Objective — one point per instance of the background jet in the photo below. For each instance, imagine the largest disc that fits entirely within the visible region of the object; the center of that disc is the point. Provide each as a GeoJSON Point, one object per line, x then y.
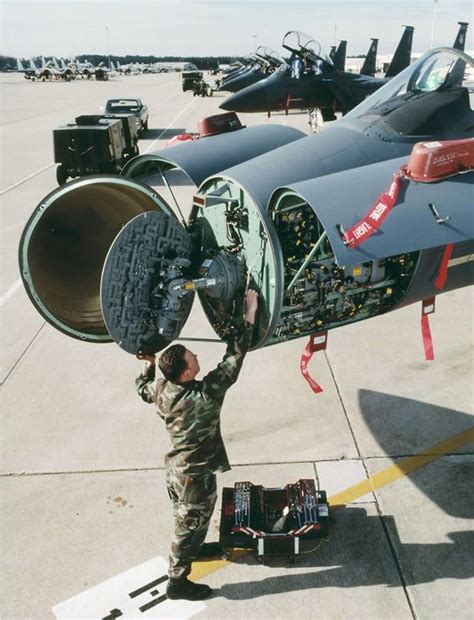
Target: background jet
{"type": "Point", "coordinates": [265, 62]}
{"type": "Point", "coordinates": [49, 70]}
{"type": "Point", "coordinates": [31, 73]}
{"type": "Point", "coordinates": [66, 71]}
{"type": "Point", "coordinates": [312, 81]}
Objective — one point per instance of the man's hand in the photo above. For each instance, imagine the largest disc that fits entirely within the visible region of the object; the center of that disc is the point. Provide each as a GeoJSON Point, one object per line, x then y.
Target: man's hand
{"type": "Point", "coordinates": [251, 305]}
{"type": "Point", "coordinates": [149, 359]}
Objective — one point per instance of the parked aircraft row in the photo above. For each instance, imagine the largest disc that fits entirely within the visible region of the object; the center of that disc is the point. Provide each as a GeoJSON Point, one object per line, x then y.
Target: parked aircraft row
{"type": "Point", "coordinates": [311, 80]}
{"type": "Point", "coordinates": [64, 70]}
{"type": "Point", "coordinates": [72, 69]}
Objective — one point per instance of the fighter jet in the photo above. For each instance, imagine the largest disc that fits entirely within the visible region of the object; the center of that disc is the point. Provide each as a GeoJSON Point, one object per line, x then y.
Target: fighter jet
{"type": "Point", "coordinates": [264, 62]}
{"type": "Point", "coordinates": [312, 81]}
{"type": "Point", "coordinates": [67, 71]}
{"type": "Point", "coordinates": [86, 69]}
{"type": "Point", "coordinates": [49, 69]}
{"type": "Point", "coordinates": [366, 217]}
{"type": "Point", "coordinates": [250, 63]}
{"type": "Point", "coordinates": [32, 73]}
{"type": "Point", "coordinates": [227, 70]}
{"type": "Point", "coordinates": [102, 72]}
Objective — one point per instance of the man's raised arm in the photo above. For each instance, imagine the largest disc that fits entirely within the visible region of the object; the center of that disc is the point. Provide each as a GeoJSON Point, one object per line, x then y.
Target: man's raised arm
{"type": "Point", "coordinates": [218, 381]}
{"type": "Point", "coordinates": [145, 383]}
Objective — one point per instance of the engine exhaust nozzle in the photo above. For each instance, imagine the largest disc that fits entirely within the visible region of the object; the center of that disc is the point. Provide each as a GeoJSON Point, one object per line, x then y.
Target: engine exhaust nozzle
{"type": "Point", "coordinates": [65, 243]}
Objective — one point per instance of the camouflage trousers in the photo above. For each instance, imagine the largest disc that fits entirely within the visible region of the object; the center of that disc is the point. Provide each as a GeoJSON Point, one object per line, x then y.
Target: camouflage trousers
{"type": "Point", "coordinates": [193, 498]}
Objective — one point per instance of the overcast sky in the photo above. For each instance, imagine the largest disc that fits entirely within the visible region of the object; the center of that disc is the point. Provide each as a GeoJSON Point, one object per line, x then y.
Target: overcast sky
{"type": "Point", "coordinates": [221, 27]}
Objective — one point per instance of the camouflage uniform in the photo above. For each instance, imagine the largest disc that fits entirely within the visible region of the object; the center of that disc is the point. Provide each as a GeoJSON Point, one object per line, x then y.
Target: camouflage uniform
{"type": "Point", "coordinates": [191, 412]}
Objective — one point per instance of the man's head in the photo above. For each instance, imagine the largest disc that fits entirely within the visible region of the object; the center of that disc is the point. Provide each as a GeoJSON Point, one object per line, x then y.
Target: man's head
{"type": "Point", "coordinates": [178, 364]}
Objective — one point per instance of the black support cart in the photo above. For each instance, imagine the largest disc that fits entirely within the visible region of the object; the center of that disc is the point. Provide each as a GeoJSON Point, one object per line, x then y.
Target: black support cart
{"type": "Point", "coordinates": [94, 144]}
{"type": "Point", "coordinates": [283, 521]}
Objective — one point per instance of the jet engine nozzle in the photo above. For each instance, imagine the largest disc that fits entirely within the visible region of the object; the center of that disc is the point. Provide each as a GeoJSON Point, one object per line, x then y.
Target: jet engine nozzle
{"type": "Point", "coordinates": [64, 245]}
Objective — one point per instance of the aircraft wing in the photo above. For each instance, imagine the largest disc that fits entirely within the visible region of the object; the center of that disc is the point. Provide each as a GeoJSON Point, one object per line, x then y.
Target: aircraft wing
{"type": "Point", "coordinates": [350, 89]}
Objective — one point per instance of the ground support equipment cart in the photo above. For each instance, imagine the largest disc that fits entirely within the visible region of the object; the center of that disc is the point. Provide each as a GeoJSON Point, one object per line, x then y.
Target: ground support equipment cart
{"type": "Point", "coordinates": [274, 521]}
{"type": "Point", "coordinates": [94, 144]}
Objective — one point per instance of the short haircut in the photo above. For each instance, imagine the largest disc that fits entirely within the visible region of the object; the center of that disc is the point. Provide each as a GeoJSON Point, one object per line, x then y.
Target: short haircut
{"type": "Point", "coordinates": [172, 362]}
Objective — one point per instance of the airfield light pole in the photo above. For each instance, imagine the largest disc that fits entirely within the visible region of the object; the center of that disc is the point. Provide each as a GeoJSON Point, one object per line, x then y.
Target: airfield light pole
{"type": "Point", "coordinates": [108, 44]}
{"type": "Point", "coordinates": [435, 4]}
{"type": "Point", "coordinates": [254, 42]}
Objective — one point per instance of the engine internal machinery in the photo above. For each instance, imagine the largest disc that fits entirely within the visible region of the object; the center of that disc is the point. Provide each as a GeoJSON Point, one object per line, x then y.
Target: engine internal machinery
{"type": "Point", "coordinates": [149, 278]}
{"type": "Point", "coordinates": [318, 293]}
{"type": "Point", "coordinates": [291, 262]}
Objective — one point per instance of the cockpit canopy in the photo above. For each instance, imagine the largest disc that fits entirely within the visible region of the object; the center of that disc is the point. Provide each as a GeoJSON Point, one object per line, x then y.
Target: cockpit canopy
{"type": "Point", "coordinates": [434, 94]}
{"type": "Point", "coordinates": [307, 48]}
{"type": "Point", "coordinates": [269, 55]}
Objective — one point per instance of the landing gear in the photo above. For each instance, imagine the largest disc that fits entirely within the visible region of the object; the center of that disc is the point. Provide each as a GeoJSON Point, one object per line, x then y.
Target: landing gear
{"type": "Point", "coordinates": [315, 119]}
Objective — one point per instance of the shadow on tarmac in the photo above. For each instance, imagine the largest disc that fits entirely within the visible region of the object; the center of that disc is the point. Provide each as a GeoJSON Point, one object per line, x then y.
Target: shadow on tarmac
{"type": "Point", "coordinates": [403, 426]}
{"type": "Point", "coordinates": [362, 548]}
{"type": "Point", "coordinates": [357, 554]}
{"type": "Point", "coordinates": [152, 134]}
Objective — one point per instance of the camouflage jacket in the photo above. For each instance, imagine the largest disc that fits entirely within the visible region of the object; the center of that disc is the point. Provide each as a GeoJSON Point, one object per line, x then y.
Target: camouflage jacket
{"type": "Point", "coordinates": [191, 411]}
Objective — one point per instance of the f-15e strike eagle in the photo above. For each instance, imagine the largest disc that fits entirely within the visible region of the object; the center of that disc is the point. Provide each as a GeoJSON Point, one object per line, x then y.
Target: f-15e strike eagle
{"type": "Point", "coordinates": [370, 215]}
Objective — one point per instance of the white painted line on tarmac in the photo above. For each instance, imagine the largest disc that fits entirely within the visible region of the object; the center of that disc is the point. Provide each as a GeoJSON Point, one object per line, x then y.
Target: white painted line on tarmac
{"type": "Point", "coordinates": [136, 591]}
{"type": "Point", "coordinates": [11, 291]}
{"type": "Point", "coordinates": [33, 174]}
{"type": "Point", "coordinates": [7, 189]}
{"type": "Point", "coordinates": [170, 125]}
{"type": "Point", "coordinates": [160, 103]}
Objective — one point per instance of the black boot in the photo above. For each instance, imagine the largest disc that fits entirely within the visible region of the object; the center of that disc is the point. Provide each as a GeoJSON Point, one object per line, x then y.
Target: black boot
{"type": "Point", "coordinates": [185, 589]}
{"type": "Point", "coordinates": [211, 550]}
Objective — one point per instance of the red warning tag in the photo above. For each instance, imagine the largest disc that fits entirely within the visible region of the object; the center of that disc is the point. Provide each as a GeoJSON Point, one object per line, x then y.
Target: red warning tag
{"type": "Point", "coordinates": [427, 308]}
{"type": "Point", "coordinates": [443, 269]}
{"type": "Point", "coordinates": [429, 162]}
{"type": "Point", "coordinates": [377, 214]}
{"type": "Point", "coordinates": [317, 342]}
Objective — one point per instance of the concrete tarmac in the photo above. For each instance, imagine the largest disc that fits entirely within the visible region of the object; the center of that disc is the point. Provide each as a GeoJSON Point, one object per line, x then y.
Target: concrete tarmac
{"type": "Point", "coordinates": [85, 513]}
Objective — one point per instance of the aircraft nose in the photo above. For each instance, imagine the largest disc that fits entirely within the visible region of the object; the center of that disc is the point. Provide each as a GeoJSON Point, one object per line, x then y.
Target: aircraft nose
{"type": "Point", "coordinates": [250, 99]}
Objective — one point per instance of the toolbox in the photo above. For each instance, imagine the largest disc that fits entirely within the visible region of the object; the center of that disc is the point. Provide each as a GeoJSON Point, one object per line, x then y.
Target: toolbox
{"type": "Point", "coordinates": [274, 521]}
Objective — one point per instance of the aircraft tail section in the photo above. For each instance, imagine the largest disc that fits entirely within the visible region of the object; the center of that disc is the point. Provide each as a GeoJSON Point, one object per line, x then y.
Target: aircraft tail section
{"type": "Point", "coordinates": [32, 65]}
{"type": "Point", "coordinates": [19, 65]}
{"type": "Point", "coordinates": [460, 42]}
{"type": "Point", "coordinates": [401, 58]}
{"type": "Point", "coordinates": [369, 66]}
{"type": "Point", "coordinates": [339, 59]}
